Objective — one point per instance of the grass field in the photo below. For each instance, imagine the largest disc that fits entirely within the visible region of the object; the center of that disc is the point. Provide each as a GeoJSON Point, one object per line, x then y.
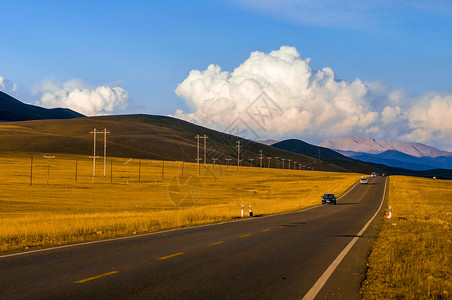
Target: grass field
{"type": "Point", "coordinates": [63, 203]}
{"type": "Point", "coordinates": [412, 256]}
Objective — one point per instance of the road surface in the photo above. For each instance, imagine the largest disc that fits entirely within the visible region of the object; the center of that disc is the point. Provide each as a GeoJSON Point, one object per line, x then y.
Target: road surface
{"type": "Point", "coordinates": [271, 257]}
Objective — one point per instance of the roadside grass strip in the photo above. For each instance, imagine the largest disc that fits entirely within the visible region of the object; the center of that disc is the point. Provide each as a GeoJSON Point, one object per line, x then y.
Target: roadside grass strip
{"type": "Point", "coordinates": [96, 277]}
{"type": "Point", "coordinates": [412, 257]}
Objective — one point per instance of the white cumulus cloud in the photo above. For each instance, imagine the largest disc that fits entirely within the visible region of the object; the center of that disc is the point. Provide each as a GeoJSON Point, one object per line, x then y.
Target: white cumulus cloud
{"type": "Point", "coordinates": [431, 119]}
{"type": "Point", "coordinates": [76, 95]}
{"type": "Point", "coordinates": [300, 100]}
{"type": "Point", "coordinates": [7, 86]}
{"type": "Point", "coordinates": [277, 95]}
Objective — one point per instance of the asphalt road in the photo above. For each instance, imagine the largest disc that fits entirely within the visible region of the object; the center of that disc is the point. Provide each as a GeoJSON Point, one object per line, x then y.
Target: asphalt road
{"type": "Point", "coordinates": [272, 257]}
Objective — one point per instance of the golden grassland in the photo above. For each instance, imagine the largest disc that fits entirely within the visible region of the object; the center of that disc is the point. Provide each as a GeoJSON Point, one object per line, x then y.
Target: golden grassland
{"type": "Point", "coordinates": [411, 258]}
{"type": "Point", "coordinates": [65, 204]}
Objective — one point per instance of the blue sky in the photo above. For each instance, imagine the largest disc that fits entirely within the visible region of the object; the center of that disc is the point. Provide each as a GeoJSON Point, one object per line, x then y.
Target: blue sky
{"type": "Point", "coordinates": [138, 52]}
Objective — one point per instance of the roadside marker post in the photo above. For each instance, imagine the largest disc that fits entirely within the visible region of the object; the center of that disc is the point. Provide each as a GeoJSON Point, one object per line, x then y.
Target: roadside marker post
{"type": "Point", "coordinates": [389, 215]}
{"type": "Point", "coordinates": [250, 211]}
{"type": "Point", "coordinates": [241, 212]}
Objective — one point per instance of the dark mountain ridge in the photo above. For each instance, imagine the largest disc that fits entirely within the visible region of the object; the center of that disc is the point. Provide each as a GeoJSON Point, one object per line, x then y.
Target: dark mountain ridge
{"type": "Point", "coordinates": [12, 109]}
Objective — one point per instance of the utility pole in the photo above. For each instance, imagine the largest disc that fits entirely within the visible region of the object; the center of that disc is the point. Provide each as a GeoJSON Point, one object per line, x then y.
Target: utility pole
{"type": "Point", "coordinates": [214, 160]}
{"type": "Point", "coordinates": [299, 166]}
{"type": "Point", "coordinates": [197, 137]}
{"type": "Point", "coordinates": [289, 160]}
{"type": "Point", "coordinates": [48, 167]}
{"type": "Point", "coordinates": [31, 171]}
{"type": "Point", "coordinates": [251, 161]}
{"type": "Point", "coordinates": [128, 163]}
{"type": "Point", "coordinates": [105, 131]}
{"type": "Point", "coordinates": [228, 160]}
{"type": "Point", "coordinates": [276, 161]}
{"type": "Point", "coordinates": [94, 132]}
{"type": "Point", "coordinates": [238, 154]}
{"type": "Point", "coordinates": [261, 156]}
{"type": "Point", "coordinates": [283, 159]}
{"type": "Point", "coordinates": [205, 137]}
{"type": "Point", "coordinates": [294, 165]}
{"type": "Point", "coordinates": [269, 160]}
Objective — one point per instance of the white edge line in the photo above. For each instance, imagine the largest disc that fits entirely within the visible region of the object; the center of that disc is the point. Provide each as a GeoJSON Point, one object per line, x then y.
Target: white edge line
{"type": "Point", "coordinates": [329, 271]}
{"type": "Point", "coordinates": [164, 231]}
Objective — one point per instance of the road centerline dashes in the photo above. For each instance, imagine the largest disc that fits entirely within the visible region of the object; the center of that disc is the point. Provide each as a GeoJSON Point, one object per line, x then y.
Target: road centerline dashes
{"type": "Point", "coordinates": [96, 277]}
{"type": "Point", "coordinates": [170, 256]}
{"type": "Point", "coordinates": [245, 235]}
{"type": "Point", "coordinates": [216, 243]}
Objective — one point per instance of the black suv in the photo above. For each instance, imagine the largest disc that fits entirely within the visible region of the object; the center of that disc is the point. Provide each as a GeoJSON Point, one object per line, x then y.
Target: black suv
{"type": "Point", "coordinates": [328, 198]}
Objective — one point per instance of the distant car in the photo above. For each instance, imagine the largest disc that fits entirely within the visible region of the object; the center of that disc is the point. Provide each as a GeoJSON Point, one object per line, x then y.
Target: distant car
{"type": "Point", "coordinates": [328, 198]}
{"type": "Point", "coordinates": [363, 181]}
{"type": "Point", "coordinates": [373, 175]}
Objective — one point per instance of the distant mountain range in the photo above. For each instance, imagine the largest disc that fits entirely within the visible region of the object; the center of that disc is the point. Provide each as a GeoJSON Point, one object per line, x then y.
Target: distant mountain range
{"type": "Point", "coordinates": [414, 156]}
{"type": "Point", "coordinates": [368, 145]}
{"type": "Point", "coordinates": [391, 162]}
{"type": "Point", "coordinates": [12, 109]}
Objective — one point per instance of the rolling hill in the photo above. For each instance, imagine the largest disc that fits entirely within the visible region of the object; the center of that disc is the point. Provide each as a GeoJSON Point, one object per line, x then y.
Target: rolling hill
{"type": "Point", "coordinates": [167, 138]}
{"type": "Point", "coordinates": [12, 109]}
{"type": "Point", "coordinates": [139, 136]}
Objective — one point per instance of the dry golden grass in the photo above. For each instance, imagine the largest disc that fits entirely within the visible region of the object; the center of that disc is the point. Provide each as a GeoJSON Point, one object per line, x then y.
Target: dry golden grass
{"type": "Point", "coordinates": [66, 211]}
{"type": "Point", "coordinates": [412, 256]}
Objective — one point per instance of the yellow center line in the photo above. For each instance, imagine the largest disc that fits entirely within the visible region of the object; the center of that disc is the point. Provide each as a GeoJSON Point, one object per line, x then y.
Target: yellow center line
{"type": "Point", "coordinates": [95, 277]}
{"type": "Point", "coordinates": [217, 243]}
{"type": "Point", "coordinates": [172, 255]}
{"type": "Point", "coordinates": [245, 235]}
{"type": "Point", "coordinates": [266, 230]}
